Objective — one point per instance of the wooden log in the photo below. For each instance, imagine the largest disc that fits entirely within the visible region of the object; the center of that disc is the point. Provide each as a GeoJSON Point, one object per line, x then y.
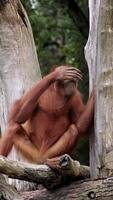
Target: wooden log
{"type": "Point", "coordinates": [78, 190]}
{"type": "Point", "coordinates": [42, 174]}
{"type": "Point", "coordinates": [81, 190]}
{"type": "Point", "coordinates": [7, 192]}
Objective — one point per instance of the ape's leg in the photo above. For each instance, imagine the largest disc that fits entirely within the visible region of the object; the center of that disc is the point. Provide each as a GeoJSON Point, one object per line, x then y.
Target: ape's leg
{"type": "Point", "coordinates": [64, 145]}
{"type": "Point", "coordinates": [25, 146]}
{"type": "Point", "coordinates": [16, 135]}
{"type": "Point", "coordinates": [28, 150]}
{"type": "Point", "coordinates": [7, 140]}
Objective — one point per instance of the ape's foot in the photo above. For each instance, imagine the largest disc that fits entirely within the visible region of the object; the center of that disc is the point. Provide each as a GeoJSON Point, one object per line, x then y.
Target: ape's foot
{"type": "Point", "coordinates": [59, 162]}
{"type": "Point", "coordinates": [53, 162]}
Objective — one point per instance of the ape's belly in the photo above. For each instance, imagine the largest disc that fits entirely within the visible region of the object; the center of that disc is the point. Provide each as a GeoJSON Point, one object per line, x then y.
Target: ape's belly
{"type": "Point", "coordinates": [47, 129]}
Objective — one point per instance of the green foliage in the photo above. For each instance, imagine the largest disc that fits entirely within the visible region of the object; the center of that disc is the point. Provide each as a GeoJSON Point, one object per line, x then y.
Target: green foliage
{"type": "Point", "coordinates": [57, 39]}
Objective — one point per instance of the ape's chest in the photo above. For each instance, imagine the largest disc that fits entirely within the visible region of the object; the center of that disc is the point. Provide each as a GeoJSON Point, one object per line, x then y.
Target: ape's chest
{"type": "Point", "coordinates": [46, 128]}
{"type": "Point", "coordinates": [51, 118]}
{"type": "Point", "coordinates": [48, 122]}
{"type": "Point", "coordinates": [53, 104]}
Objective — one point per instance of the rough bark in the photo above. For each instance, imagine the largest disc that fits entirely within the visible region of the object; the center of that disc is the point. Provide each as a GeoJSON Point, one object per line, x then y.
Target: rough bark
{"type": "Point", "coordinates": [97, 189]}
{"type": "Point", "coordinates": [91, 57]}
{"type": "Point", "coordinates": [19, 67]}
{"type": "Point", "coordinates": [79, 190]}
{"type": "Point", "coordinates": [42, 174]}
{"type": "Point", "coordinates": [99, 53]}
{"type": "Point", "coordinates": [8, 192]}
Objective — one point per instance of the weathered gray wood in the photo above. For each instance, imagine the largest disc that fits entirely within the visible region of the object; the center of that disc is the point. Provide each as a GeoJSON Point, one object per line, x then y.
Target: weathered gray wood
{"type": "Point", "coordinates": [91, 57]}
{"type": "Point", "coordinates": [19, 67]}
{"type": "Point", "coordinates": [98, 190]}
{"type": "Point", "coordinates": [99, 54]}
{"type": "Point", "coordinates": [7, 192]}
{"type": "Point", "coordinates": [42, 174]}
{"type": "Point", "coordinates": [79, 190]}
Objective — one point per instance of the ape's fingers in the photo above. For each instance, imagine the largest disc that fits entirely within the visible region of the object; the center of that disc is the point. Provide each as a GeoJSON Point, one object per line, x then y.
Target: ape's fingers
{"type": "Point", "coordinates": [66, 72]}
{"type": "Point", "coordinates": [70, 67]}
{"type": "Point", "coordinates": [74, 69]}
{"type": "Point", "coordinates": [72, 76]}
{"type": "Point", "coordinates": [74, 72]}
{"type": "Point", "coordinates": [53, 162]}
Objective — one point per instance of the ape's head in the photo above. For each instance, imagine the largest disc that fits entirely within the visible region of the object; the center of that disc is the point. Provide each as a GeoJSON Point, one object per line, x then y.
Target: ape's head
{"type": "Point", "coordinates": [66, 88]}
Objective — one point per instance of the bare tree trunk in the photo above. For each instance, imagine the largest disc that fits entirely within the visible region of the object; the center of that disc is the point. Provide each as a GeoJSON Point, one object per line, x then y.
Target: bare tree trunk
{"type": "Point", "coordinates": [99, 54]}
{"type": "Point", "coordinates": [19, 67]}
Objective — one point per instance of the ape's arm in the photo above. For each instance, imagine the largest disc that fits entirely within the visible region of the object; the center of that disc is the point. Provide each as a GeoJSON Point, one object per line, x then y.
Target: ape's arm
{"type": "Point", "coordinates": [81, 121]}
{"type": "Point", "coordinates": [82, 117]}
{"type": "Point", "coordinates": [23, 108]}
{"type": "Point", "coordinates": [63, 145]}
{"type": "Point", "coordinates": [84, 120]}
{"type": "Point", "coordinates": [21, 111]}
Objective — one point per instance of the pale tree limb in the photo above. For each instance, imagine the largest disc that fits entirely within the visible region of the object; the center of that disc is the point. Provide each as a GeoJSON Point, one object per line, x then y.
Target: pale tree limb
{"type": "Point", "coordinates": [8, 192]}
{"type": "Point", "coordinates": [79, 190]}
{"type": "Point", "coordinates": [42, 174]}
{"type": "Point", "coordinates": [67, 169]}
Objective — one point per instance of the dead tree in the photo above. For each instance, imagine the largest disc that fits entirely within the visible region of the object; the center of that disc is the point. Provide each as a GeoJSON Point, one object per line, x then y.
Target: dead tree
{"type": "Point", "coordinates": [99, 54]}
{"type": "Point", "coordinates": [19, 67]}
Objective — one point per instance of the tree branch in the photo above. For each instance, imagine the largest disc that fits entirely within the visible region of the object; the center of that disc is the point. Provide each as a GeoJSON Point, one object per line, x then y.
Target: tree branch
{"type": "Point", "coordinates": [42, 174]}
{"type": "Point", "coordinates": [8, 192]}
{"type": "Point", "coordinates": [96, 189]}
{"type": "Point", "coordinates": [88, 189]}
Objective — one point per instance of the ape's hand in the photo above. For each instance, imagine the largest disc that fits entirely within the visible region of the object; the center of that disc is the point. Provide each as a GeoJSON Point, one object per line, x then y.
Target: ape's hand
{"type": "Point", "coordinates": [68, 73]}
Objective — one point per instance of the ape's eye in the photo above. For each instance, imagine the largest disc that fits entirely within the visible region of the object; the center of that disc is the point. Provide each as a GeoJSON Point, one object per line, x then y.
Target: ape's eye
{"type": "Point", "coordinates": [60, 84]}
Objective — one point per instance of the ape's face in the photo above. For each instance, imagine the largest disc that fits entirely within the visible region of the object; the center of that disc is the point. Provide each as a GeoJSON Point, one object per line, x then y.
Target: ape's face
{"type": "Point", "coordinates": [66, 88]}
